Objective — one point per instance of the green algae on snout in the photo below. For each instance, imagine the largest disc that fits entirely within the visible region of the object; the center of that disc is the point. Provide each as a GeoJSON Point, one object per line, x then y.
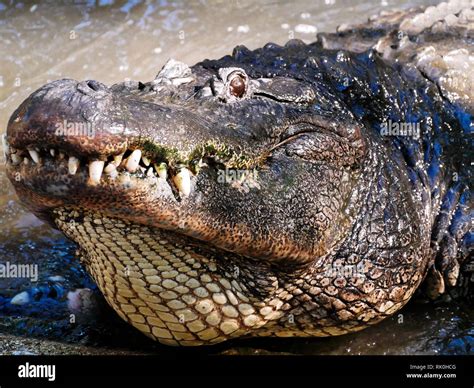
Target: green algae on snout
{"type": "Point", "coordinates": [161, 153]}
{"type": "Point", "coordinates": [226, 155]}
{"type": "Point", "coordinates": [210, 149]}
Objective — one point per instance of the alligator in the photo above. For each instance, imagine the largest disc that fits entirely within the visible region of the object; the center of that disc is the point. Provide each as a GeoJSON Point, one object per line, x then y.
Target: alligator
{"type": "Point", "coordinates": [304, 190]}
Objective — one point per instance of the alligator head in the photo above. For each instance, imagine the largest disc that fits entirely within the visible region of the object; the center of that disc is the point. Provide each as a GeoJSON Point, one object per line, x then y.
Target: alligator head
{"type": "Point", "coordinates": [230, 165]}
{"type": "Point", "coordinates": [208, 154]}
{"type": "Point", "coordinates": [222, 200]}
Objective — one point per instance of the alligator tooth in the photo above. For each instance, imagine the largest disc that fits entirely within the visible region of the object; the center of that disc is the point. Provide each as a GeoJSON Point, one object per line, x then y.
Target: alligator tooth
{"type": "Point", "coordinates": [73, 165]}
{"type": "Point", "coordinates": [146, 161]}
{"type": "Point", "coordinates": [161, 170]}
{"type": "Point", "coordinates": [110, 168]}
{"type": "Point", "coordinates": [52, 151]}
{"type": "Point", "coordinates": [61, 155]}
{"type": "Point", "coordinates": [34, 155]}
{"type": "Point", "coordinates": [16, 159]}
{"type": "Point", "coordinates": [133, 161]}
{"type": "Point", "coordinates": [198, 166]}
{"type": "Point", "coordinates": [149, 172]}
{"type": "Point", "coordinates": [95, 171]}
{"type": "Point", "coordinates": [118, 159]}
{"type": "Point", "coordinates": [182, 180]}
{"type": "Point", "coordinates": [26, 160]}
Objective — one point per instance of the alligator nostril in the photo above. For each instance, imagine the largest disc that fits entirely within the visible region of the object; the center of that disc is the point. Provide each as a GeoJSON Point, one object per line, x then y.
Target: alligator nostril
{"type": "Point", "coordinates": [94, 85]}
{"type": "Point", "coordinates": [92, 88]}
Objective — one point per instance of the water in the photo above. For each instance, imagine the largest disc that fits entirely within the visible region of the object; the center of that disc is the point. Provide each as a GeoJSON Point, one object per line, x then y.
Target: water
{"type": "Point", "coordinates": [114, 41]}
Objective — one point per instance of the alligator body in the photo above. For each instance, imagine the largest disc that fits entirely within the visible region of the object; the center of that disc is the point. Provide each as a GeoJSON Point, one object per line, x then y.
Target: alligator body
{"type": "Point", "coordinates": [303, 190]}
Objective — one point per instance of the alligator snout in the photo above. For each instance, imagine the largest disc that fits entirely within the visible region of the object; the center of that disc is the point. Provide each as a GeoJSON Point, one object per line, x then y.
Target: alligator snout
{"type": "Point", "coordinates": [66, 115]}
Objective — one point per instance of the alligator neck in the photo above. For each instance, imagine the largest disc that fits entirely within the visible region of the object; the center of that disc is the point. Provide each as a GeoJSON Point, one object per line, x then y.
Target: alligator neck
{"type": "Point", "coordinates": [428, 137]}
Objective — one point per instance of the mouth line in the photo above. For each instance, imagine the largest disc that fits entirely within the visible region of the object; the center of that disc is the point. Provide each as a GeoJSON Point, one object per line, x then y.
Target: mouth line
{"type": "Point", "coordinates": [122, 168]}
{"type": "Point", "coordinates": [150, 162]}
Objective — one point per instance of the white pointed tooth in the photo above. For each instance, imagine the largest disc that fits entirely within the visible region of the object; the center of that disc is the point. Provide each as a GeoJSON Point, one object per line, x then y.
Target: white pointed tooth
{"type": "Point", "coordinates": [52, 151]}
{"type": "Point", "coordinates": [111, 167]}
{"type": "Point", "coordinates": [146, 161]}
{"type": "Point", "coordinates": [198, 166]}
{"type": "Point", "coordinates": [118, 159]}
{"type": "Point", "coordinates": [149, 172]}
{"type": "Point", "coordinates": [16, 159]}
{"type": "Point", "coordinates": [133, 161]}
{"type": "Point", "coordinates": [182, 180]}
{"type": "Point", "coordinates": [111, 170]}
{"type": "Point", "coordinates": [61, 155]}
{"type": "Point", "coordinates": [26, 160]}
{"type": "Point", "coordinates": [72, 165]}
{"type": "Point", "coordinates": [161, 169]}
{"type": "Point", "coordinates": [34, 155]}
{"type": "Point", "coordinates": [95, 171]}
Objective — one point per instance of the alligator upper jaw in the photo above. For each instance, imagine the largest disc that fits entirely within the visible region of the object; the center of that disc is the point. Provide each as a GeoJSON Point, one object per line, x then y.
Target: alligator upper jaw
{"type": "Point", "coordinates": [70, 135]}
{"type": "Point", "coordinates": [89, 120]}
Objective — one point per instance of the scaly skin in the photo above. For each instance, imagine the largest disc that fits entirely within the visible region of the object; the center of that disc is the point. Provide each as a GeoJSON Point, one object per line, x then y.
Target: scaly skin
{"type": "Point", "coordinates": [330, 227]}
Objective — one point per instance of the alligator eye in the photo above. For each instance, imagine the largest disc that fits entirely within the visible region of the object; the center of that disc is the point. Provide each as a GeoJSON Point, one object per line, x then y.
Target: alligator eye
{"type": "Point", "coordinates": [237, 85]}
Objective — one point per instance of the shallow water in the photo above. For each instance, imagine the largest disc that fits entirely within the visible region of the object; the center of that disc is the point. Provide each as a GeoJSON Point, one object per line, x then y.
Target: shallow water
{"type": "Point", "coordinates": [114, 41]}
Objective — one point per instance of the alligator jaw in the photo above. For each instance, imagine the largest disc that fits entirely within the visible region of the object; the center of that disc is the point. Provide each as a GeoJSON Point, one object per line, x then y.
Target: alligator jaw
{"type": "Point", "coordinates": [178, 291]}
{"type": "Point", "coordinates": [174, 166]}
{"type": "Point", "coordinates": [128, 168]}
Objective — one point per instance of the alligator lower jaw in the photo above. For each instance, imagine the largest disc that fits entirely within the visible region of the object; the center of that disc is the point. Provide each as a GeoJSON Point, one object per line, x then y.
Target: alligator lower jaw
{"type": "Point", "coordinates": [125, 187]}
{"type": "Point", "coordinates": [180, 291]}
{"type": "Point", "coordinates": [179, 202]}
{"type": "Point", "coordinates": [173, 289]}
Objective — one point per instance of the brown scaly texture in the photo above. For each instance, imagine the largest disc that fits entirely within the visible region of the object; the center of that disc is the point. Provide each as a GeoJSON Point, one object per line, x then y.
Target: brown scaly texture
{"type": "Point", "coordinates": [182, 295]}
